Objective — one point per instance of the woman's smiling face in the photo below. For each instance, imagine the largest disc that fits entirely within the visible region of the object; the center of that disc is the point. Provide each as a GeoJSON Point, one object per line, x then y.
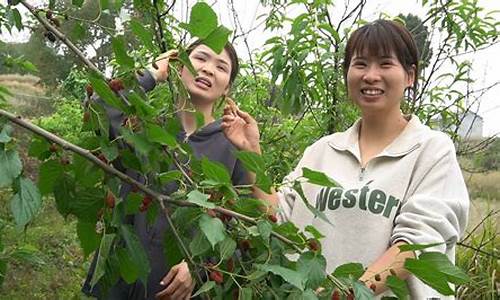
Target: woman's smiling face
{"type": "Point", "coordinates": [377, 83]}
{"type": "Point", "coordinates": [213, 79]}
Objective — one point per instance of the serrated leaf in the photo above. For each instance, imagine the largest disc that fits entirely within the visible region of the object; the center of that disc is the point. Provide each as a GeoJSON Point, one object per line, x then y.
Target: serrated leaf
{"type": "Point", "coordinates": [318, 178]}
{"type": "Point", "coordinates": [26, 202]}
{"type": "Point", "coordinates": [159, 135]}
{"type": "Point", "coordinates": [128, 269]}
{"type": "Point", "coordinates": [227, 248]}
{"type": "Point", "coordinates": [317, 213]}
{"type": "Point", "coordinates": [217, 39]}
{"type": "Point", "coordinates": [315, 233]}
{"type": "Point", "coordinates": [263, 182]}
{"type": "Point", "coordinates": [199, 198]}
{"type": "Point", "coordinates": [215, 171]}
{"type": "Point", "coordinates": [39, 148]}
{"type": "Point", "coordinates": [252, 161]}
{"type": "Point", "coordinates": [28, 253]}
{"type": "Point", "coordinates": [398, 287]}
{"type": "Point", "coordinates": [199, 244]}
{"type": "Point", "coordinates": [144, 35]}
{"type": "Point", "coordinates": [50, 172]}
{"type": "Point", "coordinates": [265, 229]}
{"type": "Point", "coordinates": [442, 263]}
{"type": "Point", "coordinates": [313, 267]}
{"type": "Point", "coordinates": [102, 256]}
{"type": "Point", "coordinates": [291, 276]}
{"type": "Point", "coordinates": [17, 19]}
{"type": "Point", "coordinates": [79, 31]}
{"type": "Point", "coordinates": [426, 272]}
{"type": "Point", "coordinates": [5, 134]}
{"type": "Point", "coordinates": [105, 92]}
{"type": "Point", "coordinates": [183, 57]}
{"type": "Point", "coordinates": [136, 253]}
{"type": "Point", "coordinates": [213, 228]}
{"type": "Point", "coordinates": [245, 294]}
{"type": "Point", "coordinates": [142, 108]}
{"type": "Point", "coordinates": [169, 176]}
{"type": "Point", "coordinates": [120, 50]}
{"type": "Point", "coordinates": [207, 286]}
{"type": "Point", "coordinates": [171, 250]}
{"type": "Point", "coordinates": [89, 239]}
{"type": "Point", "coordinates": [354, 270]}
{"type": "Point", "coordinates": [362, 292]}
{"type": "Point", "coordinates": [137, 140]}
{"type": "Point", "coordinates": [10, 166]}
{"type": "Point", "coordinates": [64, 195]}
{"type": "Point", "coordinates": [87, 203]}
{"type": "Point", "coordinates": [202, 20]}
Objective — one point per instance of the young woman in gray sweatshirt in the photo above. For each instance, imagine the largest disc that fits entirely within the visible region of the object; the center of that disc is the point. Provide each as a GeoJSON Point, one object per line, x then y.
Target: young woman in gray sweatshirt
{"type": "Point", "coordinates": [216, 73]}
{"type": "Point", "coordinates": [400, 182]}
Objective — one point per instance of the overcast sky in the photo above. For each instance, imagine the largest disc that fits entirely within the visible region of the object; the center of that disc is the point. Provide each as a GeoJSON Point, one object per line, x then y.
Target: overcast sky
{"type": "Point", "coordinates": [486, 65]}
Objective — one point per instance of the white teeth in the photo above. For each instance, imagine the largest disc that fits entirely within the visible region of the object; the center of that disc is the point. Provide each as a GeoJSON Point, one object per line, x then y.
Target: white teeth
{"type": "Point", "coordinates": [372, 92]}
{"type": "Point", "coordinates": [204, 81]}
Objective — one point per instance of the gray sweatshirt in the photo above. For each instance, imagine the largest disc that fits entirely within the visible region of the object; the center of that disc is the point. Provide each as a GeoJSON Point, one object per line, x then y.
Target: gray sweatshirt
{"type": "Point", "coordinates": [412, 191]}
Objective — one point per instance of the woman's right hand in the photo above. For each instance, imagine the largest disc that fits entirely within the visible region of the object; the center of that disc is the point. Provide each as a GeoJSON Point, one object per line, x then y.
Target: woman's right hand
{"type": "Point", "coordinates": [159, 68]}
{"type": "Point", "coordinates": [241, 129]}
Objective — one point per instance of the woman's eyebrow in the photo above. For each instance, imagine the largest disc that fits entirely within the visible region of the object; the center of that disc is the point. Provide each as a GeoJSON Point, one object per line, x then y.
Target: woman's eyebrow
{"type": "Point", "coordinates": [209, 55]}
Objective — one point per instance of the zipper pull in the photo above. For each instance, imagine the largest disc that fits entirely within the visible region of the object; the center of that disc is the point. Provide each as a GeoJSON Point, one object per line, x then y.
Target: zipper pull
{"type": "Point", "coordinates": [361, 174]}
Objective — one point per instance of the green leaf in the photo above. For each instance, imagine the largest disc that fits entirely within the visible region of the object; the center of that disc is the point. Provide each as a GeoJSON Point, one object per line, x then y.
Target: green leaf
{"type": "Point", "coordinates": [26, 202]}
{"type": "Point", "coordinates": [315, 233]}
{"type": "Point", "coordinates": [215, 171]}
{"type": "Point", "coordinates": [252, 161]}
{"type": "Point", "coordinates": [102, 256]}
{"type": "Point", "coordinates": [183, 57]}
{"type": "Point", "coordinates": [64, 195]}
{"type": "Point", "coordinates": [50, 172]}
{"type": "Point", "coordinates": [128, 269]}
{"type": "Point", "coordinates": [136, 253]}
{"type": "Point", "coordinates": [202, 20]}
{"type": "Point", "coordinates": [142, 108]}
{"type": "Point", "coordinates": [443, 264]}
{"type": "Point", "coordinates": [144, 35]}
{"type": "Point", "coordinates": [17, 19]}
{"type": "Point", "coordinates": [5, 134]}
{"type": "Point", "coordinates": [416, 247]}
{"type": "Point", "coordinates": [159, 135]}
{"type": "Point", "coordinates": [317, 213]}
{"type": "Point", "coordinates": [227, 248]}
{"type": "Point", "coordinates": [171, 250]}
{"type": "Point", "coordinates": [398, 287]}
{"type": "Point", "coordinates": [250, 207]}
{"type": "Point", "coordinates": [89, 239]}
{"type": "Point", "coordinates": [28, 253]}
{"type": "Point", "coordinates": [77, 2]}
{"type": "Point", "coordinates": [319, 178]}
{"type": "Point", "coordinates": [312, 266]}
{"type": "Point", "coordinates": [169, 176]}
{"type": "Point", "coordinates": [10, 167]}
{"type": "Point", "coordinates": [291, 276]}
{"type": "Point", "coordinates": [362, 292]}
{"type": "Point", "coordinates": [207, 286]}
{"type": "Point", "coordinates": [245, 294]}
{"type": "Point", "coordinates": [217, 39]}
{"type": "Point", "coordinates": [199, 244]}
{"type": "Point", "coordinates": [137, 140]}
{"type": "Point", "coordinates": [120, 50]}
{"type": "Point", "coordinates": [106, 94]}
{"type": "Point", "coordinates": [265, 229]}
{"type": "Point", "coordinates": [87, 203]}
{"type": "Point", "coordinates": [354, 270]}
{"type": "Point", "coordinates": [263, 182]}
{"type": "Point", "coordinates": [213, 228]}
{"type": "Point", "coordinates": [200, 199]}
{"type": "Point", "coordinates": [39, 148]}
{"type": "Point", "coordinates": [429, 274]}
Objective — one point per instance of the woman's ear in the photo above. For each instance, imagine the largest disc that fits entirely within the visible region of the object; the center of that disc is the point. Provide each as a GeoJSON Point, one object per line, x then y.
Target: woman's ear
{"type": "Point", "coordinates": [412, 73]}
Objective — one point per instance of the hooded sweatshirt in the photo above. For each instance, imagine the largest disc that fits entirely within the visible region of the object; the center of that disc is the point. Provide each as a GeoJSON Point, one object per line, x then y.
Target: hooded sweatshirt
{"type": "Point", "coordinates": [413, 191]}
{"type": "Point", "coordinates": [209, 142]}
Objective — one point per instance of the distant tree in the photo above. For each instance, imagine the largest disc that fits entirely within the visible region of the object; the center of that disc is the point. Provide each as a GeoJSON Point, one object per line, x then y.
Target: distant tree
{"type": "Point", "coordinates": [421, 34]}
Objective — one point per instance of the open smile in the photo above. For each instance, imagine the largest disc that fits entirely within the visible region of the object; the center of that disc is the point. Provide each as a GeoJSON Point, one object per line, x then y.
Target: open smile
{"type": "Point", "coordinates": [204, 82]}
{"type": "Point", "coordinates": [372, 91]}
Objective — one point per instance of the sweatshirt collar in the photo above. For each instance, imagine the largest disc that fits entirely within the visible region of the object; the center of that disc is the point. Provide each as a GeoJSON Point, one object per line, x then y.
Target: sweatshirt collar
{"type": "Point", "coordinates": [407, 141]}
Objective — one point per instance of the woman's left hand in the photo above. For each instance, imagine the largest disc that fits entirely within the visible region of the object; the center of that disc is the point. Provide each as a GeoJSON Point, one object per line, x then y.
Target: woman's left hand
{"type": "Point", "coordinates": [241, 129]}
{"type": "Point", "coordinates": [178, 283]}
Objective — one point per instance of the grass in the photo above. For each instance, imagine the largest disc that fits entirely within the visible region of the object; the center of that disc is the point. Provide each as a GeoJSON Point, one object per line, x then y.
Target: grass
{"type": "Point", "coordinates": [61, 269]}
{"type": "Point", "coordinates": [484, 185]}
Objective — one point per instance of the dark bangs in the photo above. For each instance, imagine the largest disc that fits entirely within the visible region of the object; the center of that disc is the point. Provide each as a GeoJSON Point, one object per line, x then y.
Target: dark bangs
{"type": "Point", "coordinates": [382, 38]}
